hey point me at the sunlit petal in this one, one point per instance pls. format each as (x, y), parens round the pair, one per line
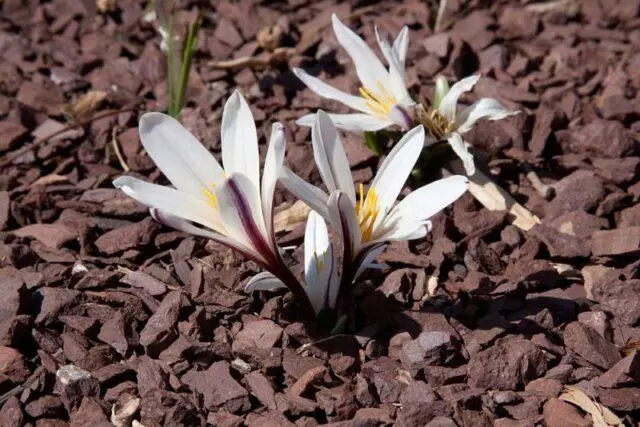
(449, 102)
(264, 281)
(368, 260)
(311, 195)
(170, 200)
(330, 157)
(442, 87)
(460, 148)
(241, 212)
(400, 46)
(396, 71)
(179, 155)
(272, 167)
(185, 226)
(318, 260)
(426, 201)
(369, 69)
(357, 122)
(395, 169)
(327, 91)
(239, 139)
(343, 216)
(488, 108)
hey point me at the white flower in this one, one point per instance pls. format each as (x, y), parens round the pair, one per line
(372, 219)
(320, 269)
(228, 205)
(384, 99)
(444, 122)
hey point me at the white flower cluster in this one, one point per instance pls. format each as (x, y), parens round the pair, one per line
(234, 205)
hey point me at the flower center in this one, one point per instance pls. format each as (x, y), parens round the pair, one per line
(381, 102)
(367, 211)
(436, 124)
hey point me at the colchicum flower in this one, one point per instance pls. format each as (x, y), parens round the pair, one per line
(384, 100)
(444, 122)
(368, 221)
(320, 269)
(230, 205)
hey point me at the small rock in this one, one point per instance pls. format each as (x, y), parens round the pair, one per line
(160, 330)
(12, 365)
(582, 190)
(598, 321)
(625, 372)
(55, 301)
(615, 242)
(560, 244)
(262, 389)
(51, 235)
(620, 399)
(90, 413)
(312, 375)
(74, 384)
(10, 134)
(113, 333)
(127, 237)
(586, 342)
(506, 365)
(418, 392)
(558, 413)
(145, 281)
(589, 139)
(218, 388)
(545, 387)
(46, 406)
(11, 414)
(261, 334)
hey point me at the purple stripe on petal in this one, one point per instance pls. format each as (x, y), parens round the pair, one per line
(404, 116)
(250, 226)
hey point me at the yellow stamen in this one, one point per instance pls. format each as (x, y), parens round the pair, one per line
(380, 102)
(367, 211)
(437, 125)
(211, 198)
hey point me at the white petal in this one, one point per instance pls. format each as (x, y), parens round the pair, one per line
(318, 261)
(409, 231)
(330, 156)
(369, 69)
(272, 167)
(426, 201)
(395, 169)
(368, 261)
(240, 140)
(359, 122)
(396, 72)
(264, 281)
(327, 91)
(400, 46)
(307, 120)
(442, 87)
(170, 200)
(343, 217)
(460, 148)
(314, 197)
(449, 101)
(241, 213)
(179, 155)
(185, 226)
(488, 108)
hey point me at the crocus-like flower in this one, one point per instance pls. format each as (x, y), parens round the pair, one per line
(230, 205)
(384, 100)
(320, 269)
(444, 122)
(373, 218)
